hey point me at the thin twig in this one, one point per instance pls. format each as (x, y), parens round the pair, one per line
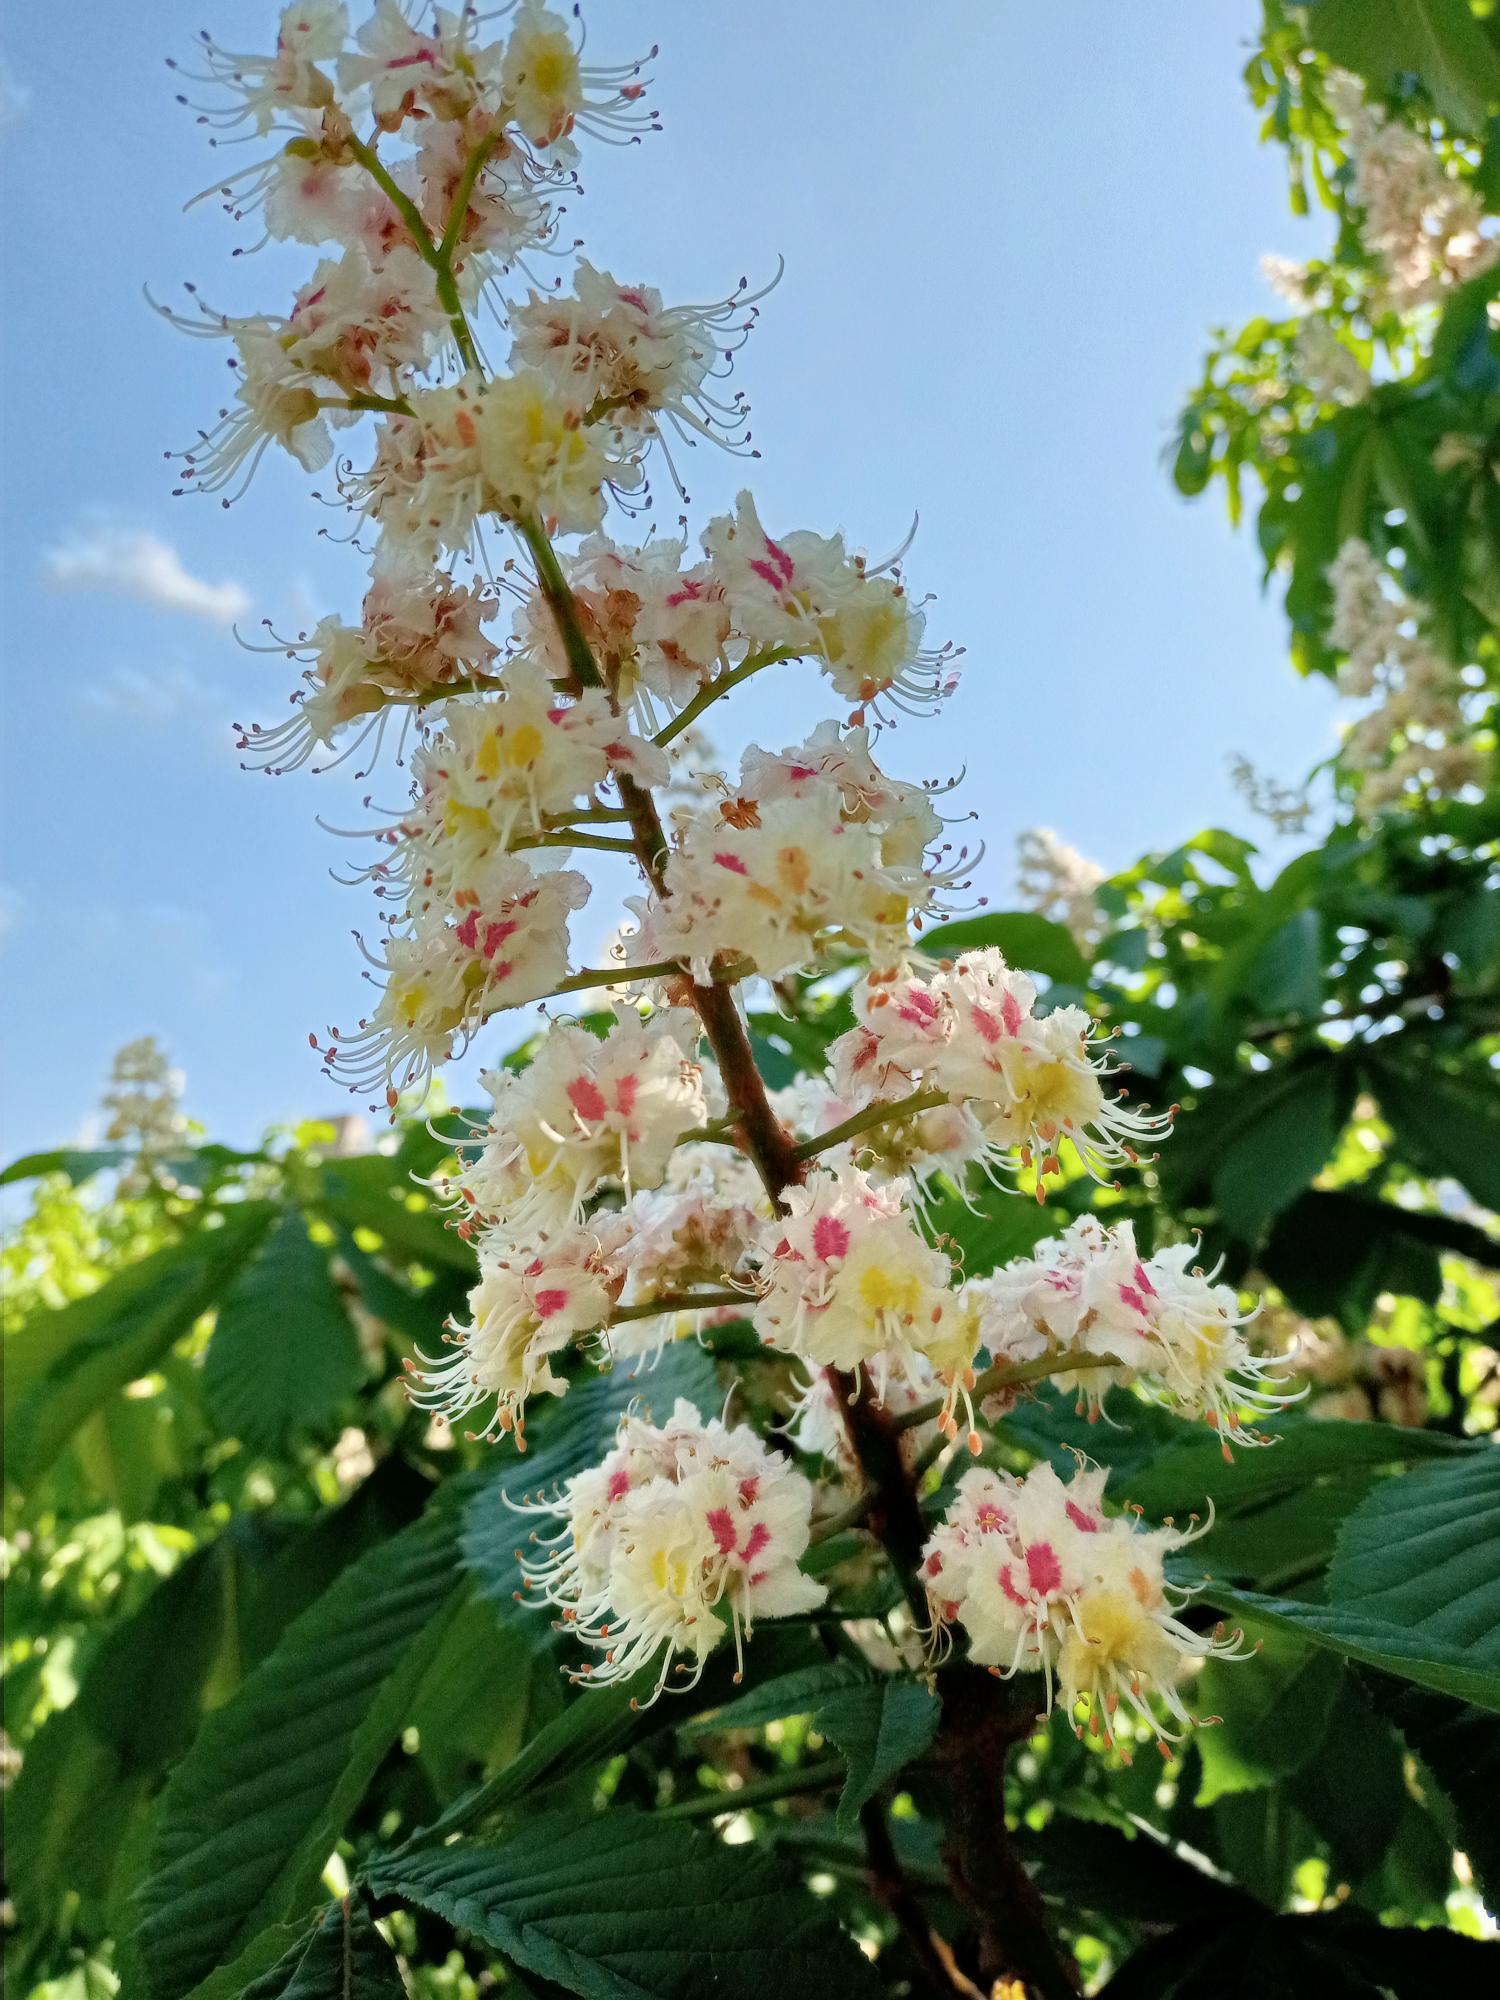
(884, 1113)
(761, 1791)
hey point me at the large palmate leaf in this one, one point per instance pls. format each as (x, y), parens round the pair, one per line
(624, 1907)
(92, 1768)
(1273, 1709)
(375, 1192)
(77, 1162)
(1460, 1745)
(249, 1816)
(62, 1365)
(1442, 1124)
(284, 1352)
(1414, 1587)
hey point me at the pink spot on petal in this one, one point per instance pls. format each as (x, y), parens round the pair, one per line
(586, 1098)
(1043, 1570)
(830, 1238)
(549, 1302)
(721, 1527)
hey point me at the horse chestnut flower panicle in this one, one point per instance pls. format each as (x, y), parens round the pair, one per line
(686, 1534)
(1042, 1580)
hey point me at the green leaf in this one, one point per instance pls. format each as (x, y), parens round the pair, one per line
(250, 1815)
(1438, 41)
(880, 1722)
(62, 1365)
(342, 1956)
(1444, 1125)
(1351, 1789)
(1286, 976)
(1460, 1745)
(76, 1162)
(1282, 1133)
(798, 1693)
(1331, 1956)
(1414, 1587)
(1194, 1470)
(880, 1726)
(284, 1353)
(375, 1191)
(624, 1907)
(1335, 1250)
(1273, 1709)
(1029, 942)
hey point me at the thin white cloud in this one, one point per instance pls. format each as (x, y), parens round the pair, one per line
(15, 96)
(132, 562)
(164, 695)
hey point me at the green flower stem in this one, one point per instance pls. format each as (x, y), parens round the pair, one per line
(884, 1113)
(580, 982)
(679, 1302)
(846, 1517)
(722, 684)
(438, 257)
(604, 842)
(761, 1791)
(1010, 1375)
(463, 194)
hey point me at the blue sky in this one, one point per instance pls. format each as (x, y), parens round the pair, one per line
(1006, 231)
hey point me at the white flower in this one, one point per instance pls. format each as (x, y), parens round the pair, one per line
(585, 1112)
(409, 73)
(776, 886)
(353, 325)
(1422, 222)
(1416, 740)
(548, 90)
(684, 1533)
(806, 594)
(420, 631)
(538, 457)
(531, 1304)
(652, 625)
(847, 1282)
(627, 359)
(1044, 1581)
(503, 770)
(143, 1101)
(1032, 1082)
(1058, 882)
(442, 980)
(310, 33)
(1178, 1334)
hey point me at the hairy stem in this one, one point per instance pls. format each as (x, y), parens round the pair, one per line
(679, 1302)
(721, 684)
(982, 1718)
(1011, 1374)
(885, 1113)
(891, 1884)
